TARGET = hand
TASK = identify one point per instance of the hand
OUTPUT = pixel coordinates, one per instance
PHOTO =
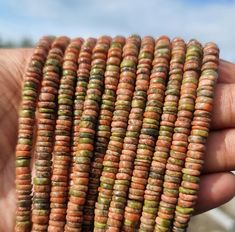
(217, 183)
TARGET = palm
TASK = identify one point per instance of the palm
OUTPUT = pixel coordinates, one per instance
(217, 185)
(12, 63)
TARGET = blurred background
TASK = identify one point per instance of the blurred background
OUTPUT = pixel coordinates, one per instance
(23, 22)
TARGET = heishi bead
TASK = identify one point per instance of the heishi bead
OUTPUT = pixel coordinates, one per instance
(169, 115)
(85, 145)
(149, 132)
(123, 177)
(103, 131)
(31, 87)
(119, 125)
(199, 133)
(179, 143)
(83, 74)
(61, 150)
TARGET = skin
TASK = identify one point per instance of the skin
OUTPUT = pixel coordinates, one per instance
(217, 182)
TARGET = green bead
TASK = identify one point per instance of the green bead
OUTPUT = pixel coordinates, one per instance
(164, 222)
(97, 71)
(103, 200)
(86, 135)
(153, 109)
(41, 181)
(128, 63)
(46, 110)
(187, 191)
(133, 134)
(149, 203)
(119, 199)
(65, 101)
(107, 180)
(150, 210)
(22, 218)
(26, 114)
(175, 92)
(122, 182)
(150, 121)
(189, 178)
(22, 162)
(23, 225)
(149, 131)
(52, 61)
(129, 223)
(106, 186)
(202, 133)
(135, 204)
(100, 225)
(138, 104)
(76, 193)
(161, 228)
(25, 141)
(167, 128)
(67, 72)
(145, 55)
(81, 159)
(173, 192)
(85, 140)
(184, 210)
(41, 212)
(144, 147)
(112, 68)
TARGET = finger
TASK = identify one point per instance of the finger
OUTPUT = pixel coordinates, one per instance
(215, 190)
(226, 72)
(223, 115)
(220, 153)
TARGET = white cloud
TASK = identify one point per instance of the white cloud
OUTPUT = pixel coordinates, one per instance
(213, 20)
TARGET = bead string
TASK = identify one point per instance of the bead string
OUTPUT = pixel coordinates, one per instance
(120, 135)
(47, 111)
(24, 148)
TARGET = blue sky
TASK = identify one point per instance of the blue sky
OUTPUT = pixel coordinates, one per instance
(205, 20)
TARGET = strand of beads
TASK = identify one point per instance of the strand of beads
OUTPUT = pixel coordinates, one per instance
(197, 139)
(123, 177)
(32, 82)
(61, 151)
(179, 144)
(83, 74)
(162, 149)
(103, 131)
(87, 127)
(149, 131)
(118, 130)
(45, 134)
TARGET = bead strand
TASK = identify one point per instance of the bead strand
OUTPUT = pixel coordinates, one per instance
(32, 83)
(149, 132)
(197, 139)
(45, 134)
(182, 127)
(162, 149)
(83, 74)
(123, 177)
(61, 150)
(86, 136)
(112, 75)
(121, 112)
